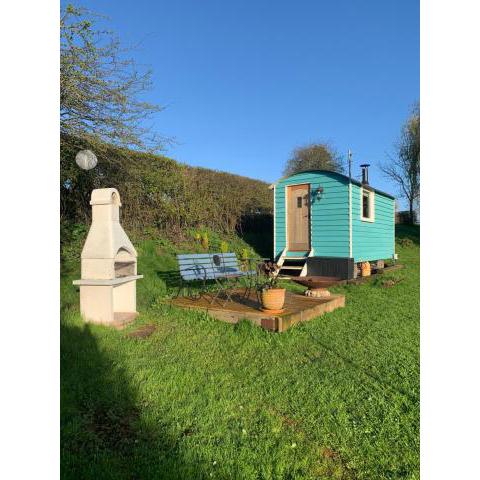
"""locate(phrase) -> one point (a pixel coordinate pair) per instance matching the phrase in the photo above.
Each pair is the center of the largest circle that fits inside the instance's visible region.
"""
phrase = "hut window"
(367, 205)
(299, 202)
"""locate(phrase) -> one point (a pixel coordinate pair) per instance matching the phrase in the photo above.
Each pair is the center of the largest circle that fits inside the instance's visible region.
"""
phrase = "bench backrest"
(200, 266)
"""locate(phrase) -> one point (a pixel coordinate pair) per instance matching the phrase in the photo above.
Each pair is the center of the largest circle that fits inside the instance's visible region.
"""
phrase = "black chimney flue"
(365, 173)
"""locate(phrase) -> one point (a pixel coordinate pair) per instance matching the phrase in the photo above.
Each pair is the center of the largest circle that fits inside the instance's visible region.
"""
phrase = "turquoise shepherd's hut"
(326, 223)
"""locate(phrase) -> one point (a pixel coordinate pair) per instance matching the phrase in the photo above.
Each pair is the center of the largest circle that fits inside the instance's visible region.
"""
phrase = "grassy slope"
(337, 397)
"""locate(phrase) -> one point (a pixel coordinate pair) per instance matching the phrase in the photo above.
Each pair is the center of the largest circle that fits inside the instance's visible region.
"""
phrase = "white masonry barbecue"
(109, 265)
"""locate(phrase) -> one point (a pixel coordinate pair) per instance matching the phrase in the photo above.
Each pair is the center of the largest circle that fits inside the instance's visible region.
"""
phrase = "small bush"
(406, 242)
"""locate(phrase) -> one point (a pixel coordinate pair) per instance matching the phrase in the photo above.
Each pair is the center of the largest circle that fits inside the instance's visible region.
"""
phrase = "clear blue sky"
(245, 82)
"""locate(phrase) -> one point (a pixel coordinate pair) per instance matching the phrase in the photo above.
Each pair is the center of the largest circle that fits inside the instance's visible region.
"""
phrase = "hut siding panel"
(373, 240)
(329, 216)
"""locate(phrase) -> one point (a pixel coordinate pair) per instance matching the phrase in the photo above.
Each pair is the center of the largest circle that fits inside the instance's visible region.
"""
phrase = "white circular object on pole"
(86, 159)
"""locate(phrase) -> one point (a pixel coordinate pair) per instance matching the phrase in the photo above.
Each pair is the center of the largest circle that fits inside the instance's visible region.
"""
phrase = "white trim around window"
(371, 205)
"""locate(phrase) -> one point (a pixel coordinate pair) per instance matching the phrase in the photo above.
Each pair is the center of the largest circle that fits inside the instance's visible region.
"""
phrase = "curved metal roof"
(330, 172)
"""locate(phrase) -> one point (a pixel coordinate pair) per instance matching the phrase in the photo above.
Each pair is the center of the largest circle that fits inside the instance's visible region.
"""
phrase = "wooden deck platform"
(298, 308)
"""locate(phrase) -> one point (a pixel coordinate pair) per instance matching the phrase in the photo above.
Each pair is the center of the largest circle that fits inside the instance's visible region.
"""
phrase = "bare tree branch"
(100, 87)
(404, 167)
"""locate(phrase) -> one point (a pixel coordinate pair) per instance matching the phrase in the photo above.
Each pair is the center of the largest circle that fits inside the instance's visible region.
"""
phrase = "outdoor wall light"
(318, 193)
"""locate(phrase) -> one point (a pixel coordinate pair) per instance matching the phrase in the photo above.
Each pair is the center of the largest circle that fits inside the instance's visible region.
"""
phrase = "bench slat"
(212, 276)
(209, 258)
(210, 270)
(204, 255)
(207, 263)
(195, 262)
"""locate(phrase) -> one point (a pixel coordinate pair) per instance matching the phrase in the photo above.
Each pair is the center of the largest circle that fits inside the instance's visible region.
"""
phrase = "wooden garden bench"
(222, 268)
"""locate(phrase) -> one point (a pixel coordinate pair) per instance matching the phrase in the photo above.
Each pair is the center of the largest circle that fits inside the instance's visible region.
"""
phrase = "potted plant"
(272, 296)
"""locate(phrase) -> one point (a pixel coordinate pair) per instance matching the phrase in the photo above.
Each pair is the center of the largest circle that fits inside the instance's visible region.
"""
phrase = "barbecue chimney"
(109, 265)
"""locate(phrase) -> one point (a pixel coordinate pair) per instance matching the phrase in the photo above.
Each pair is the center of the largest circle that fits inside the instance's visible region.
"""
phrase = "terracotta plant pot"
(273, 298)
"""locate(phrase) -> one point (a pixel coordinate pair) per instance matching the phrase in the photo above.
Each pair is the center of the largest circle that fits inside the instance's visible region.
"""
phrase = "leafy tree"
(316, 156)
(100, 87)
(404, 167)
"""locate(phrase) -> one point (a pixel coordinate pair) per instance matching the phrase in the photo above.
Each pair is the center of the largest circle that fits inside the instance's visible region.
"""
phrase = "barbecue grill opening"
(125, 264)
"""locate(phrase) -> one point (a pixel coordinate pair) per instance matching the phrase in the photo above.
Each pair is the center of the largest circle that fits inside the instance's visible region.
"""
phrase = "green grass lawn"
(333, 398)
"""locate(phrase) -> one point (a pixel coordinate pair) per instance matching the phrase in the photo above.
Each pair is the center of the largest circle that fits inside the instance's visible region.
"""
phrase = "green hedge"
(159, 192)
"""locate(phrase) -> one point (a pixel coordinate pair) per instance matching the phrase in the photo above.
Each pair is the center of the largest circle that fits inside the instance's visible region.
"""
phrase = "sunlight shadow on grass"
(103, 432)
